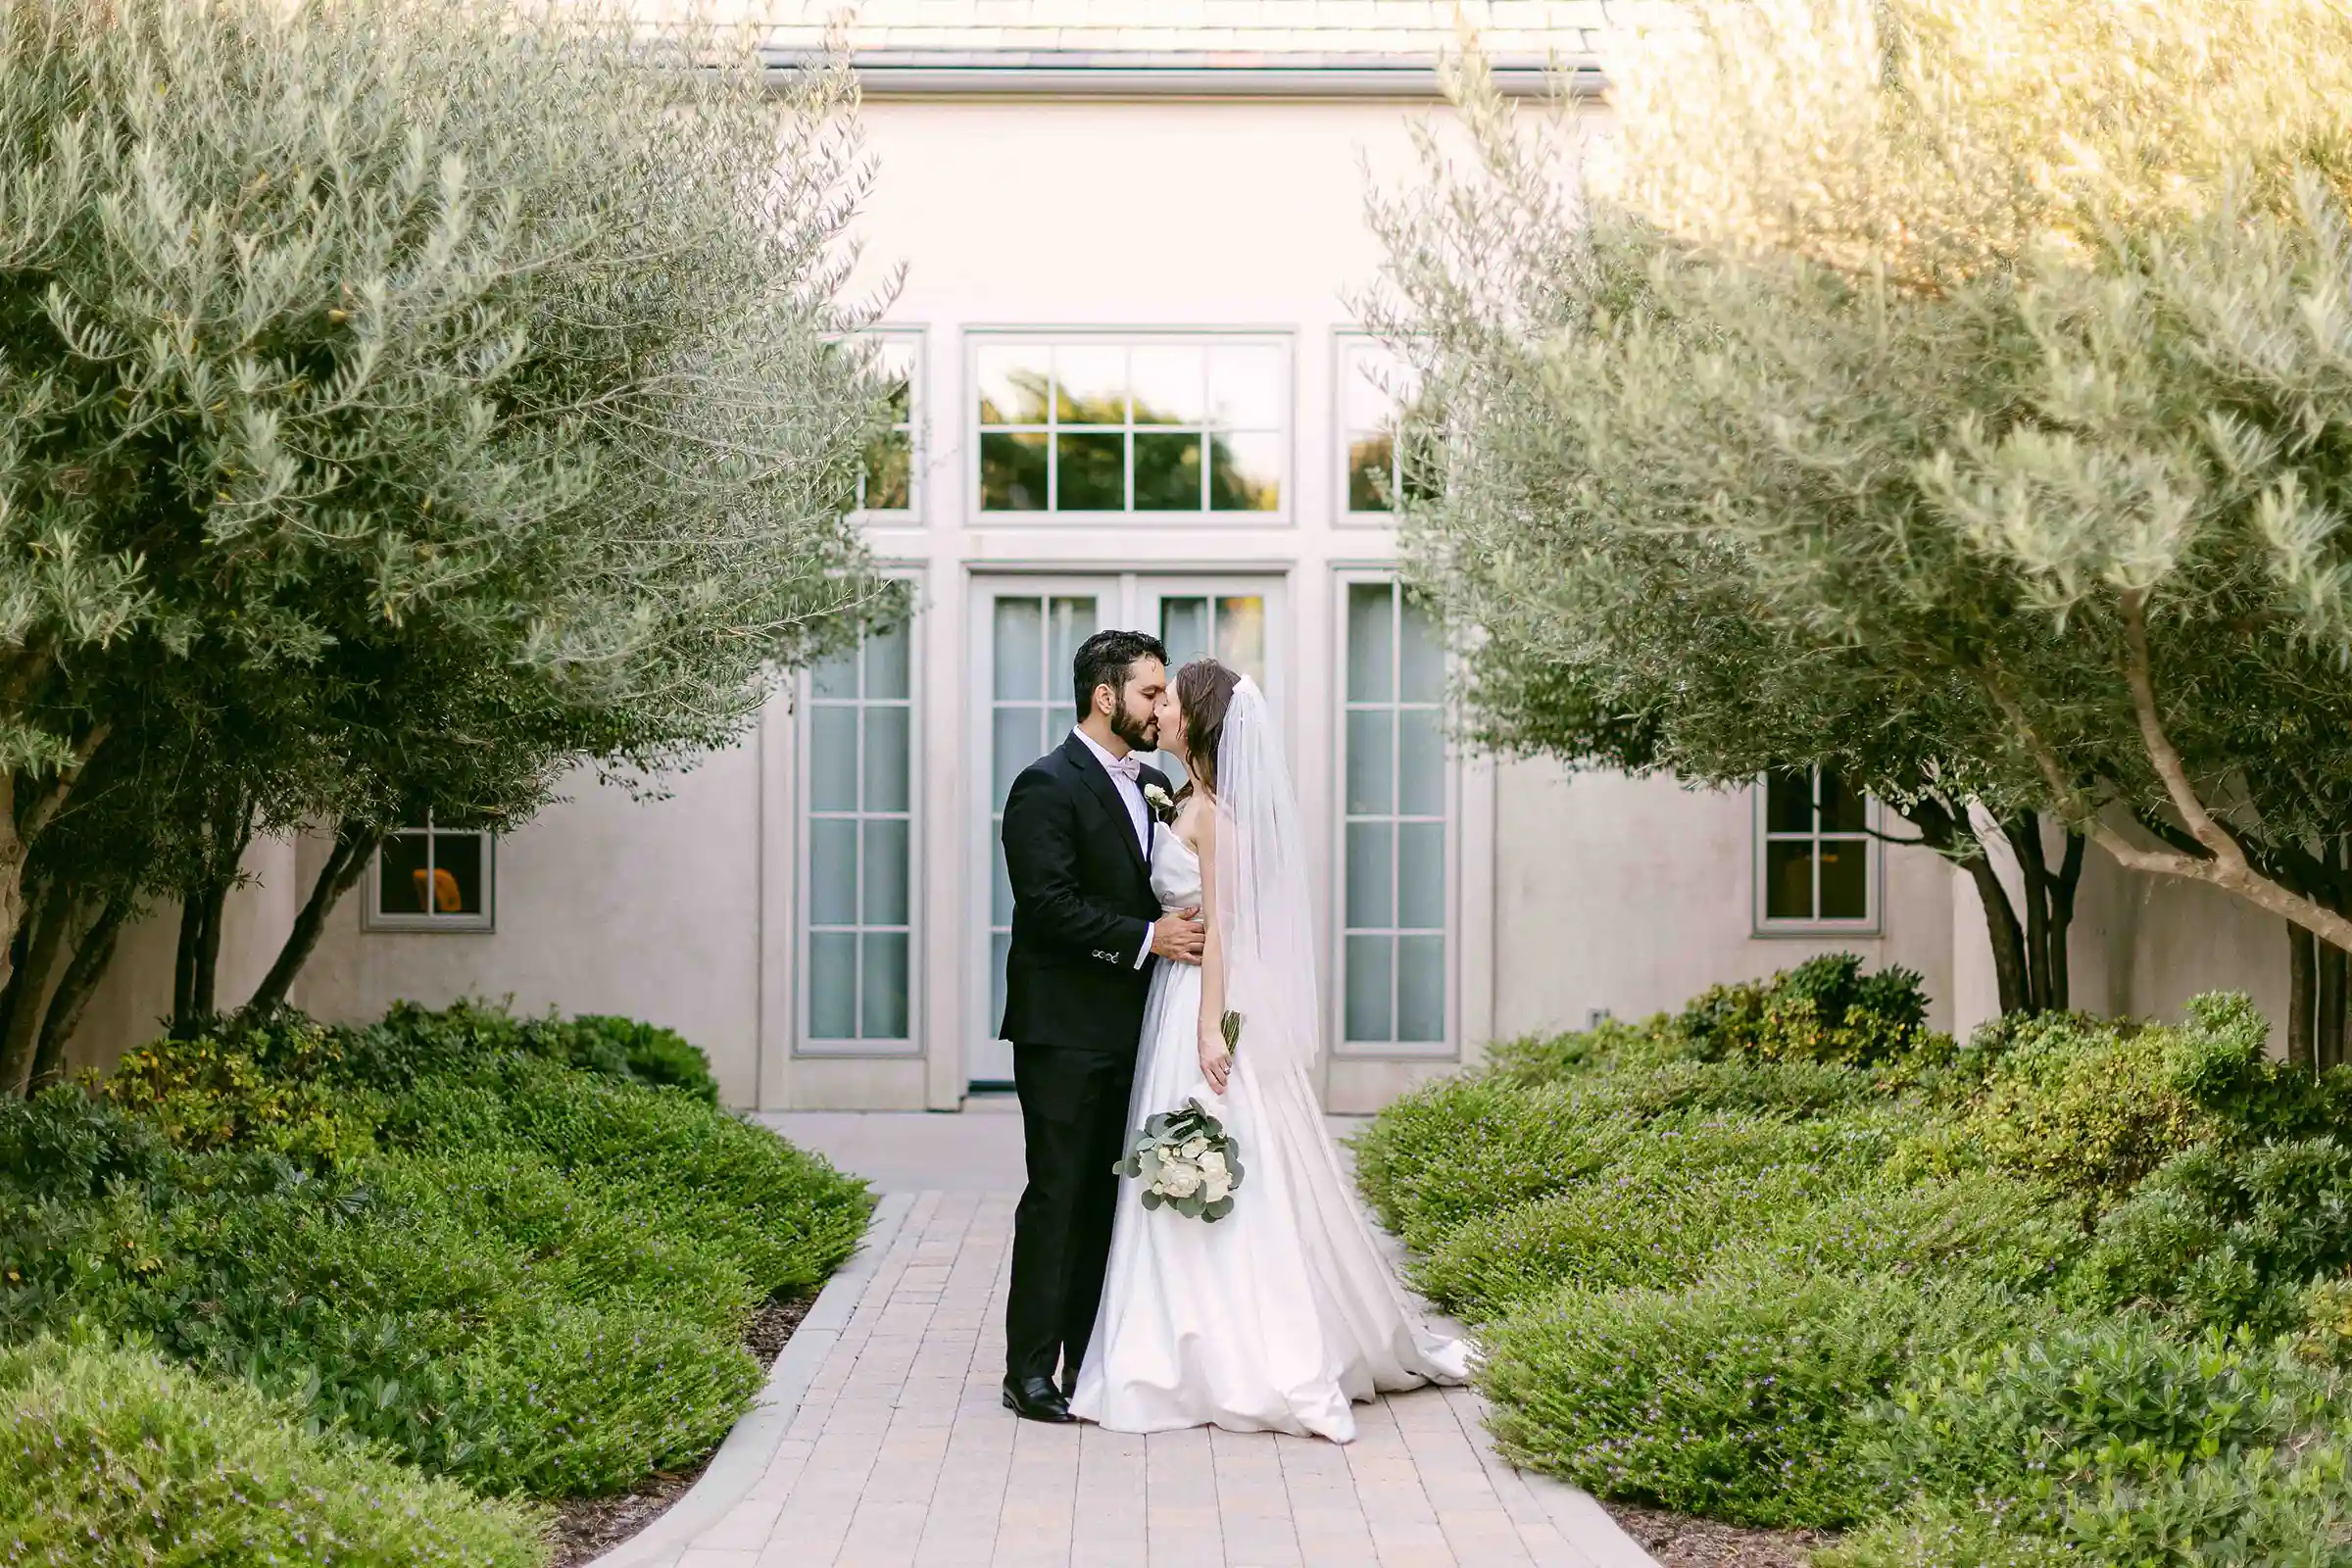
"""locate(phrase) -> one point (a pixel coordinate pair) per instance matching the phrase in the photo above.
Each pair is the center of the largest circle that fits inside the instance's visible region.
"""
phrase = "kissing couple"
(1163, 954)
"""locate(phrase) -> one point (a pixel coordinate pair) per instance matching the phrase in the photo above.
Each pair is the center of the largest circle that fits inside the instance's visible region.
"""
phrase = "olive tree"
(360, 342)
(1975, 366)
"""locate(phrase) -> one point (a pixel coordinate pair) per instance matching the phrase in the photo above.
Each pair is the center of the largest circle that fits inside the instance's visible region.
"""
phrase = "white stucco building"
(1138, 395)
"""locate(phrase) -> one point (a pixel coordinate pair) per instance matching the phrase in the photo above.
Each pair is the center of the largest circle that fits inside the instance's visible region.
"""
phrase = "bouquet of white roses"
(1187, 1160)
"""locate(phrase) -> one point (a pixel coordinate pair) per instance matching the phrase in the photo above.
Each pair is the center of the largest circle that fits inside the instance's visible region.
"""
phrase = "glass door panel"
(1030, 636)
(1230, 626)
(1025, 633)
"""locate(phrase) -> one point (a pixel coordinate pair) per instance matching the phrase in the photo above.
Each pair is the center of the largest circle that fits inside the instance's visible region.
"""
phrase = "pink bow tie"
(1129, 767)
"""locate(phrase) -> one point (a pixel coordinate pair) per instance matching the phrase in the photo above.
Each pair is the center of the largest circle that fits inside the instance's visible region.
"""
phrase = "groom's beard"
(1140, 732)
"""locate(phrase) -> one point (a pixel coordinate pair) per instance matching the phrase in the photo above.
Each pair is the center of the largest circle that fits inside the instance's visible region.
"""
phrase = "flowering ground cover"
(453, 1265)
(2070, 1292)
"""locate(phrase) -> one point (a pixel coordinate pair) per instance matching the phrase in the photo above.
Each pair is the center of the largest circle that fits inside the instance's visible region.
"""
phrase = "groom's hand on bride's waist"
(1178, 936)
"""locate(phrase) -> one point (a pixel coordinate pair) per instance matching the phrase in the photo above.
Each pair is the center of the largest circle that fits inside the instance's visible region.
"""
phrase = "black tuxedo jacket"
(1082, 907)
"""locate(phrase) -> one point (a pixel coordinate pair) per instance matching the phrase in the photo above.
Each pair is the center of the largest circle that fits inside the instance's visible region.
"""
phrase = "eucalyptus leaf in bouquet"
(1186, 1160)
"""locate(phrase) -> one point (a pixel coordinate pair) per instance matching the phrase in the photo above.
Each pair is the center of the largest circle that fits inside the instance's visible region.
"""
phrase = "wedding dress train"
(1279, 1316)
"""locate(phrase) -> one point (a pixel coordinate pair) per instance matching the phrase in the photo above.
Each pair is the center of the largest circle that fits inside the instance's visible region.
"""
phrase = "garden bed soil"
(586, 1528)
(1678, 1541)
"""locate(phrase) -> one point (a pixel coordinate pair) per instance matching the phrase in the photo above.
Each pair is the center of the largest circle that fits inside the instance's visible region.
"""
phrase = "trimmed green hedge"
(2072, 1292)
(469, 1241)
(116, 1459)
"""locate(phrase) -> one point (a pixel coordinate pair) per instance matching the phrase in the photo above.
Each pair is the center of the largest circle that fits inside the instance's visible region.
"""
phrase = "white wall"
(602, 904)
(1634, 895)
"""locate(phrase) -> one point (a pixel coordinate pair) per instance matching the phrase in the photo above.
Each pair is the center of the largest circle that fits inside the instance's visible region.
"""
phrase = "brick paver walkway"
(897, 1451)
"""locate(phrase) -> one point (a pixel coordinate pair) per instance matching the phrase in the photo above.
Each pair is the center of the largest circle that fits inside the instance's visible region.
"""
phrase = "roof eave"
(1077, 73)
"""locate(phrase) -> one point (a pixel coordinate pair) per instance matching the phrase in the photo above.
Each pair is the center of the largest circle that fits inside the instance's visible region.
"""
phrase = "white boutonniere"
(1161, 803)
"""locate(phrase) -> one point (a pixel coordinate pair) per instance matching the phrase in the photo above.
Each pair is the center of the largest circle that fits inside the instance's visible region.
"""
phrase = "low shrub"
(2107, 1400)
(645, 1052)
(117, 1460)
(2078, 1292)
(498, 1266)
(1826, 1009)
(1463, 1147)
(786, 1216)
(2224, 1236)
(1986, 1227)
(2227, 1513)
(1647, 1225)
(1738, 1395)
(1791, 1088)
(2111, 1442)
(413, 1043)
(2095, 1108)
(260, 1087)
(1607, 1045)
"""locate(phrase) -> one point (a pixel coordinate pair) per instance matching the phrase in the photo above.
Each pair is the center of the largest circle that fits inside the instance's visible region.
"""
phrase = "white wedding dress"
(1281, 1315)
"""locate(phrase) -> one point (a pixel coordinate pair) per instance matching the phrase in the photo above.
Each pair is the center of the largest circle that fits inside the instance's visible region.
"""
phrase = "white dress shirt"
(1131, 793)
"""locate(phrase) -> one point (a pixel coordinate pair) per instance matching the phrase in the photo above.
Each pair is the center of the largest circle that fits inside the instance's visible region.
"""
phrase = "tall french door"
(1025, 632)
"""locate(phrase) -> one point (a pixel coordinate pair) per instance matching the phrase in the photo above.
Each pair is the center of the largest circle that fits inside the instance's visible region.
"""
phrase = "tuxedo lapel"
(1098, 779)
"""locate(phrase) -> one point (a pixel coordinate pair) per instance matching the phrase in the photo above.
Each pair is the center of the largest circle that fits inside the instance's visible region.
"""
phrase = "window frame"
(1344, 343)
(372, 912)
(916, 340)
(1282, 338)
(805, 1042)
(1448, 1046)
(1874, 873)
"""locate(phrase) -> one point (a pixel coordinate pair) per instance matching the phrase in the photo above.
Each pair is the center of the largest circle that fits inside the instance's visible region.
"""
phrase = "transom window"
(1375, 388)
(1397, 809)
(886, 482)
(432, 878)
(1816, 859)
(1158, 426)
(859, 868)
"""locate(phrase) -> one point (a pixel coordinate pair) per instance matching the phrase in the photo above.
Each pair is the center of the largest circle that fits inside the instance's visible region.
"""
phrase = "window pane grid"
(1375, 384)
(1131, 427)
(1228, 627)
(1035, 638)
(433, 876)
(1394, 939)
(858, 866)
(886, 480)
(1814, 870)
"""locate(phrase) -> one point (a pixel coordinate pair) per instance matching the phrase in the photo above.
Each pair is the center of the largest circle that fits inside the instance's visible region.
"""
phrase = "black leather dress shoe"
(1036, 1400)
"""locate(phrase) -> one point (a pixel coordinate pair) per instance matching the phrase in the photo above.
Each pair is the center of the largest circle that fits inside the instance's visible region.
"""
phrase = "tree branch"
(2233, 876)
(2138, 675)
(54, 797)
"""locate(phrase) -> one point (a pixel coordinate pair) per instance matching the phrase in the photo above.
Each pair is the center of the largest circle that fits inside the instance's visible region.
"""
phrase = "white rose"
(1215, 1189)
(1194, 1148)
(1181, 1181)
(1211, 1162)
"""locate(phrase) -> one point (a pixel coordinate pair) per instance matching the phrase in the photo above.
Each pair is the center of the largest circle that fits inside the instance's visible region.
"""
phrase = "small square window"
(433, 879)
(1816, 858)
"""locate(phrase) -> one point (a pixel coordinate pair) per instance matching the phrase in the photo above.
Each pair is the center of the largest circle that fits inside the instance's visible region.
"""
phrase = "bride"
(1280, 1316)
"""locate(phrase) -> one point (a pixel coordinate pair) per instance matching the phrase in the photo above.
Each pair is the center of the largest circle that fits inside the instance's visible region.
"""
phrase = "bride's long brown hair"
(1204, 691)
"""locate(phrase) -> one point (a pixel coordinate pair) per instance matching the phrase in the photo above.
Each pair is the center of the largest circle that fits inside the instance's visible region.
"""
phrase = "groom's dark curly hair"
(1105, 658)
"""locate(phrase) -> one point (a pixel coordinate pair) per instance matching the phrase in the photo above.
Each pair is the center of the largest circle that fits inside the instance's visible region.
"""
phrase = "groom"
(1086, 926)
